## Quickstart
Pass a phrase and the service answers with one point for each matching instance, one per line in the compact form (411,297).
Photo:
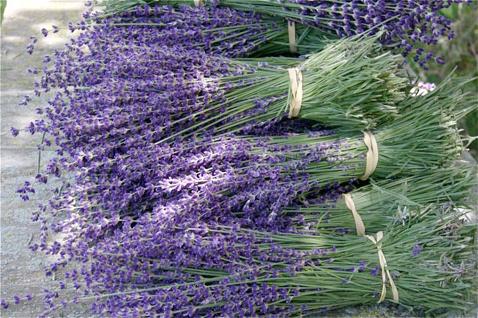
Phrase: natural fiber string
(198,3)
(377,240)
(295,77)
(372,155)
(292,37)
(359,226)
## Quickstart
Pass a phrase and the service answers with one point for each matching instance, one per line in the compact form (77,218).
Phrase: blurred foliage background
(463,52)
(460,53)
(3,5)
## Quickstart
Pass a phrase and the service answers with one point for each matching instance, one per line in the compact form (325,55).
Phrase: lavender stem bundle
(222,31)
(347,85)
(407,24)
(162,95)
(429,260)
(250,179)
(386,202)
(187,197)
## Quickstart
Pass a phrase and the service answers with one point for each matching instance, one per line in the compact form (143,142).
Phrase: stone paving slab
(22,270)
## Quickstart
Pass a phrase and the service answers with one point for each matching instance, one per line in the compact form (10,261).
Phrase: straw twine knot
(386,276)
(359,225)
(296,91)
(372,155)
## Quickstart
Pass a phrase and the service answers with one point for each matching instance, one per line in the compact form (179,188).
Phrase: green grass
(3,5)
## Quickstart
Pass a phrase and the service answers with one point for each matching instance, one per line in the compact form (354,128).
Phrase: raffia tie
(386,276)
(372,155)
(292,37)
(295,78)
(198,3)
(359,225)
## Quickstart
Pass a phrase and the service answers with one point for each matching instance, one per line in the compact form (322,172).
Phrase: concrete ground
(20,269)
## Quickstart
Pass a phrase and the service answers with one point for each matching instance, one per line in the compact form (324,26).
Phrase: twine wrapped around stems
(377,240)
(359,225)
(296,91)
(372,155)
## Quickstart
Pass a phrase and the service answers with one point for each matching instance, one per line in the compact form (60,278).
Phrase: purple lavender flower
(417,249)
(41,178)
(4,304)
(26,99)
(31,46)
(374,271)
(362,266)
(406,24)
(14,131)
(44,32)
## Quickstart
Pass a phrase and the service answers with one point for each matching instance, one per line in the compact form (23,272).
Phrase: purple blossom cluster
(185,214)
(207,180)
(407,25)
(222,31)
(144,255)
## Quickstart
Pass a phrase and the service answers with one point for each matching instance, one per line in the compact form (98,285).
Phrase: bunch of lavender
(386,201)
(428,264)
(189,240)
(113,98)
(205,179)
(407,25)
(223,31)
(430,259)
(121,210)
(347,85)
(127,96)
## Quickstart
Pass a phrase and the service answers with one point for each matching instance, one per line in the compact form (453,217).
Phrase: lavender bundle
(373,207)
(223,31)
(346,85)
(407,24)
(427,263)
(113,98)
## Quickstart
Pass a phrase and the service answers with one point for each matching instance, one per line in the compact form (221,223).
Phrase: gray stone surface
(21,270)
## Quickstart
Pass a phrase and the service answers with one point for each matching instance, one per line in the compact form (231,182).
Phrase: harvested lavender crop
(193,226)
(113,98)
(345,86)
(242,180)
(223,31)
(407,25)
(384,202)
(427,263)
